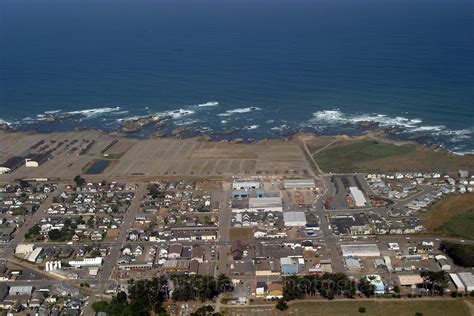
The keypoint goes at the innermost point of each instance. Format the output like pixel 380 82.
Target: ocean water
pixel 261 68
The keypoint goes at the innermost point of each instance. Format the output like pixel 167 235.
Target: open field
pixel 452 216
pixel 241 233
pixel 370 155
pixel 445 307
pixel 150 158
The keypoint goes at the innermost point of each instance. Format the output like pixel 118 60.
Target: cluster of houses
pixel 17 201
pixel 59 299
pixel 93 198
pixel 400 186
pixel 79 228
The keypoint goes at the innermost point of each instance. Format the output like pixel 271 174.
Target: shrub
pixel 362 310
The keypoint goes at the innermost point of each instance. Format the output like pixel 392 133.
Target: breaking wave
pixel 89 113
pixel 239 111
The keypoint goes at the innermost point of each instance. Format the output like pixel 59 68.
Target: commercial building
pixel 376 281
pixel 457 282
pixel 410 279
pixel 34 254
pixel 358 197
pixel 265 204
pixel 86 262
pixel 294 219
pixel 468 280
pixel 245 185
pixel 23 249
pixel 360 250
pixel 288 266
pixel 299 184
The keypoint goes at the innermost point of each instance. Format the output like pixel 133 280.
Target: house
pixel 175 251
pixel 275 290
pixel 197 254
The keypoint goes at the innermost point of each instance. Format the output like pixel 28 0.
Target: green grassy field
pixel 444 307
pixel 452 216
pixel 345 157
pixel 379 156
pixel 385 308
pixel 460 225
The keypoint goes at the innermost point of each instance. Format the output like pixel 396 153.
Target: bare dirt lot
pixel 153 157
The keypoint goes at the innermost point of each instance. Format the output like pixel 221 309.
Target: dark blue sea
pixel 259 68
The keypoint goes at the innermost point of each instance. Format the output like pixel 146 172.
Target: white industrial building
pixel 30 163
pixel 23 249
pixel 265 204
pixel 360 250
pixel 245 185
pixel 299 184
pixel 34 254
pixel 86 262
pixel 4 170
pixel 358 197
pixel 294 219
pixel 457 282
pixel 468 280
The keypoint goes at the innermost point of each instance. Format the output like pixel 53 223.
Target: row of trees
pixel 146 297
pixel 332 285
pixel 187 288
pixel 462 254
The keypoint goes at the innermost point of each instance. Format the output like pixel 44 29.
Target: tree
pixel 100 306
pixel 436 281
pixel 281 305
pixel 366 288
pixel 24 184
pixel 362 310
pixel 54 234
pixel 79 181
pixel 396 289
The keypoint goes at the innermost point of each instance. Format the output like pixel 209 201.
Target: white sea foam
pixel 176 114
pixel 239 111
pixel 250 127
pixel 337 117
pixel 224 121
pixel 4 122
pixel 52 112
pixel 208 104
pixel 90 113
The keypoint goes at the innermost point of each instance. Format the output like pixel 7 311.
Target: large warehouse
pixel 358 197
pixel 294 219
pixel 266 204
pixel 360 250
pixel 468 280
pixel 299 184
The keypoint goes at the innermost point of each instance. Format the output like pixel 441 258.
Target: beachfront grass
pixel 379 308
pixel 406 307
pixel 452 216
pixel 378 156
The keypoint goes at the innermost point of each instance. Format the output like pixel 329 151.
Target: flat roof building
pixel 294 219
pixel 468 280
pixel 266 204
pixel 360 250
pixel 358 196
pixel 245 185
pixel 457 282
pixel 299 184
pixel 34 255
pixel 410 279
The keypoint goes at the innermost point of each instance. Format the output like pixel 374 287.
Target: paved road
pixel 31 221
pixel 115 247
pixel 223 248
